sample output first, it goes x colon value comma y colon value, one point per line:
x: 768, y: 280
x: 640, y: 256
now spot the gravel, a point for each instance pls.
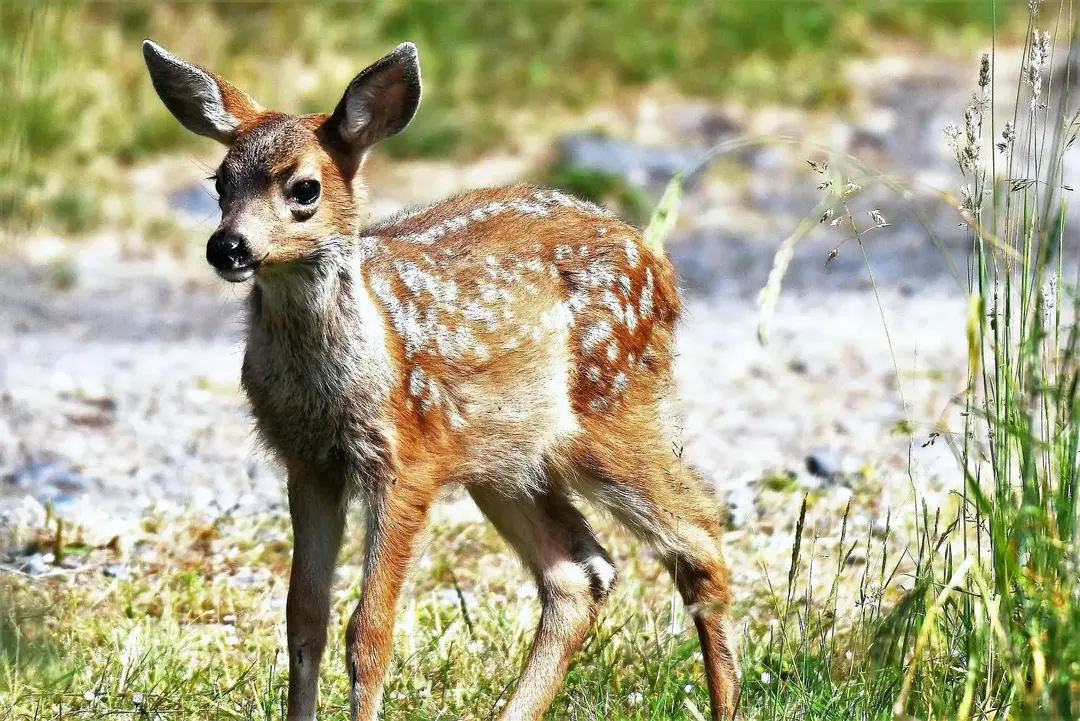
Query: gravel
x: 120, y: 399
x: 119, y: 396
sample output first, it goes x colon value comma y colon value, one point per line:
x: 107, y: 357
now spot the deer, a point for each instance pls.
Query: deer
x: 517, y: 342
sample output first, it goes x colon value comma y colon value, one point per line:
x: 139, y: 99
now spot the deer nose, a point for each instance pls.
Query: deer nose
x: 228, y: 250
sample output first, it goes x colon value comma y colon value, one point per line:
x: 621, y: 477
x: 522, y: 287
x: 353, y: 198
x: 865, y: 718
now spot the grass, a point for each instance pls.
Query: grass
x: 195, y: 632
x: 978, y: 619
x: 79, y: 108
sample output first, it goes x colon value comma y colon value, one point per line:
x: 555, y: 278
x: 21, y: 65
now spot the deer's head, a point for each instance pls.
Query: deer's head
x: 289, y: 184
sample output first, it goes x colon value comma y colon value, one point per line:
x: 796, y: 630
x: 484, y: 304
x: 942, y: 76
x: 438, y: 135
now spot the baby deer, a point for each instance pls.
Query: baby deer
x: 515, y: 341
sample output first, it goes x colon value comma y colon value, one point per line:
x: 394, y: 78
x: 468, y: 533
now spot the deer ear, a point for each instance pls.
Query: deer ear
x: 380, y: 101
x: 203, y: 103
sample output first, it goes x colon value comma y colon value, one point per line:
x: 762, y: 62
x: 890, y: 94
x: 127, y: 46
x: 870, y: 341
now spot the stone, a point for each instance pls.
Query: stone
x: 48, y: 474
x: 640, y: 165
x: 118, y: 571
x: 822, y: 464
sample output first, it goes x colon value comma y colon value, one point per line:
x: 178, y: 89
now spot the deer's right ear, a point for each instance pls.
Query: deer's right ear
x: 203, y: 103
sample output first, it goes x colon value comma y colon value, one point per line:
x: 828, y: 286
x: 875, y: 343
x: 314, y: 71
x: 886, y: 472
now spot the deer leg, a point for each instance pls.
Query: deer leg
x: 574, y: 575
x: 317, y: 508
x: 667, y: 504
x: 396, y: 519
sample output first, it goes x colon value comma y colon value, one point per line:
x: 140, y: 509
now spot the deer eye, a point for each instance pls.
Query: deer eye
x: 306, y: 192
x: 218, y: 187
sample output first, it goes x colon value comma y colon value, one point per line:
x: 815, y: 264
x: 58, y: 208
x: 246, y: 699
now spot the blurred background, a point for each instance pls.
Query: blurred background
x: 119, y: 350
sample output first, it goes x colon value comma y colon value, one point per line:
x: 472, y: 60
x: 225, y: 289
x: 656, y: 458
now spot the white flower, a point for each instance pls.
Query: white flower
x: 766, y: 677
x: 688, y: 688
x: 635, y: 698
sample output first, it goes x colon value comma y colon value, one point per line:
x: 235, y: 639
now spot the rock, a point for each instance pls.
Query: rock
x: 118, y: 571
x: 49, y: 474
x: 36, y: 565
x: 740, y: 502
x: 643, y: 166
x: 701, y: 120
x: 823, y: 464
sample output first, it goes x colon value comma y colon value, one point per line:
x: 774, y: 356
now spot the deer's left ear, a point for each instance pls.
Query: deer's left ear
x: 380, y: 101
x: 203, y: 103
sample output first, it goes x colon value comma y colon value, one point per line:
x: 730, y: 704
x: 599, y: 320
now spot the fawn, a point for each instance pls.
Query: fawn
x: 516, y: 341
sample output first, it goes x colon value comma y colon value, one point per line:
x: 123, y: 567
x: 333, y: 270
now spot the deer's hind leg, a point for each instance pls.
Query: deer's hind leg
x: 637, y: 476
x: 574, y: 575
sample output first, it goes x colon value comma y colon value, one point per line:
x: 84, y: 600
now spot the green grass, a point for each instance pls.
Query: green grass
x: 181, y: 639
x: 79, y: 107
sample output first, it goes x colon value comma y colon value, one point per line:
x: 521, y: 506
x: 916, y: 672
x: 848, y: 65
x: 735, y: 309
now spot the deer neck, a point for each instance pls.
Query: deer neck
x: 309, y: 300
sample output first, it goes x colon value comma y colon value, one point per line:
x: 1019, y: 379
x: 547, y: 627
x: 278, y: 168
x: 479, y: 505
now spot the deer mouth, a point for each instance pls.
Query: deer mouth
x: 240, y: 274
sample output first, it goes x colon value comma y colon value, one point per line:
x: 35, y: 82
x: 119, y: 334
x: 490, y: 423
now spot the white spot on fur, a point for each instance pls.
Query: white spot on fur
x: 612, y: 351
x: 416, y: 382
x: 593, y: 373
x: 488, y: 293
x: 475, y: 311
x: 434, y: 395
x: 558, y: 317
x: 645, y: 303
x: 632, y: 256
x: 578, y: 300
x: 611, y: 302
x: 596, y: 334
x: 619, y: 383
x: 599, y: 274
x: 365, y: 247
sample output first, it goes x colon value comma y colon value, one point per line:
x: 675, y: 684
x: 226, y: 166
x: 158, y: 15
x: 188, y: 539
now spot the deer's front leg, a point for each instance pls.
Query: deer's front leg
x: 395, y: 522
x: 317, y: 506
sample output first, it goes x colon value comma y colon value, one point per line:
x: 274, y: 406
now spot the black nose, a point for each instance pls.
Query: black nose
x: 228, y: 250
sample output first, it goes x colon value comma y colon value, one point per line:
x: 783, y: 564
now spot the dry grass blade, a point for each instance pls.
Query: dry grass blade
x: 771, y: 292
x: 664, y: 216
